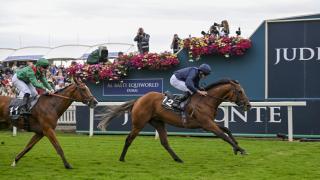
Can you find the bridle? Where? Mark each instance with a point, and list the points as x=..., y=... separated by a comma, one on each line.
x=235, y=92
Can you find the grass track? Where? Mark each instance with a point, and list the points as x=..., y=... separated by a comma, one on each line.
x=204, y=158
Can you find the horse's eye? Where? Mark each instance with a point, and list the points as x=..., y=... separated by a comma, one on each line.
x=240, y=92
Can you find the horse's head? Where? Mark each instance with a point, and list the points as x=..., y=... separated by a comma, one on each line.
x=83, y=94
x=238, y=96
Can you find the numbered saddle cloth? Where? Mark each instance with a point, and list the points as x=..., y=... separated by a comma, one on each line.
x=169, y=101
x=16, y=103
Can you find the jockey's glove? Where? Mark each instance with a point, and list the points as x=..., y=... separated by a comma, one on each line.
x=49, y=91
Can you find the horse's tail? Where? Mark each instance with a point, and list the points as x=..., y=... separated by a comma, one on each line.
x=115, y=112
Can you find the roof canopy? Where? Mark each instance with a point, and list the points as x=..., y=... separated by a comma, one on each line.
x=67, y=52
x=4, y=53
x=64, y=52
x=27, y=54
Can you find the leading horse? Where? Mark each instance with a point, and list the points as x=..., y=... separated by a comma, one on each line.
x=201, y=111
x=45, y=114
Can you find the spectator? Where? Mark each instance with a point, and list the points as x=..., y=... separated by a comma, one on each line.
x=14, y=67
x=213, y=31
x=59, y=80
x=120, y=54
x=142, y=39
x=53, y=69
x=224, y=31
x=98, y=56
x=220, y=30
x=29, y=63
x=175, y=43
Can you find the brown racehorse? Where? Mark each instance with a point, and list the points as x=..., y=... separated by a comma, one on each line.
x=200, y=114
x=45, y=114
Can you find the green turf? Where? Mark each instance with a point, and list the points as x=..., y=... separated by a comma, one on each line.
x=204, y=158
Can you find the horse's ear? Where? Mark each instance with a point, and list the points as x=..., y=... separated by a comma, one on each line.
x=75, y=79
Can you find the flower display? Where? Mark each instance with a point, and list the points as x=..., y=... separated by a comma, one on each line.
x=208, y=45
x=212, y=45
x=119, y=67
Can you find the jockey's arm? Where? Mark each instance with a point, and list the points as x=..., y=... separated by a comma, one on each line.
x=45, y=83
x=189, y=82
x=33, y=80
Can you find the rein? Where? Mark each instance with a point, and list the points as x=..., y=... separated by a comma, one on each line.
x=224, y=99
x=85, y=101
x=64, y=97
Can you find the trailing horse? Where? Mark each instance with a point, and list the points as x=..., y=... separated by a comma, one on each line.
x=45, y=114
x=200, y=114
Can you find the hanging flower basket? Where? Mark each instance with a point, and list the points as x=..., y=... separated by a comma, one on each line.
x=211, y=45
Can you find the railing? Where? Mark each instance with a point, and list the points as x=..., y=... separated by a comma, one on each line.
x=225, y=107
x=69, y=117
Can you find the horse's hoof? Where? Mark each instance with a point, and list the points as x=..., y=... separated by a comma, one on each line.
x=13, y=164
x=122, y=160
x=179, y=160
x=235, y=152
x=68, y=166
x=243, y=153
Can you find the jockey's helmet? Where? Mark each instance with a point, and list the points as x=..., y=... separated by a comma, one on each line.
x=205, y=68
x=42, y=62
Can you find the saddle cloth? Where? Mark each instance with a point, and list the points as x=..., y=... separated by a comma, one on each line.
x=169, y=100
x=14, y=107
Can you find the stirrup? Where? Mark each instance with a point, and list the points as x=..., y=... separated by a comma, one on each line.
x=183, y=118
x=24, y=111
x=177, y=106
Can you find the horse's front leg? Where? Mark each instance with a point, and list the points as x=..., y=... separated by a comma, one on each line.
x=227, y=131
x=51, y=135
x=213, y=127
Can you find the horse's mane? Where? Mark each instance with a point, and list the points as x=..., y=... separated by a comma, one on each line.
x=62, y=89
x=220, y=82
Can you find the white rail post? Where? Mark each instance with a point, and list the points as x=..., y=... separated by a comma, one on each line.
x=156, y=136
x=14, y=131
x=91, y=122
x=290, y=124
x=226, y=116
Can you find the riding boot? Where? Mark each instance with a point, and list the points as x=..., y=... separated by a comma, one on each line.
x=183, y=107
x=24, y=110
x=185, y=96
x=181, y=99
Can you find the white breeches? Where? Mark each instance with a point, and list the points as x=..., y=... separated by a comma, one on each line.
x=181, y=85
x=24, y=88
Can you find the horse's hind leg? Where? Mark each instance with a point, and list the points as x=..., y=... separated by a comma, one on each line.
x=52, y=137
x=160, y=127
x=226, y=130
x=35, y=138
x=133, y=134
x=210, y=126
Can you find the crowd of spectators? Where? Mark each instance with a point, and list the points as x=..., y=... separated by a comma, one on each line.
x=56, y=76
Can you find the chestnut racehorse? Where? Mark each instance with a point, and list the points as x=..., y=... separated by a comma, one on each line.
x=200, y=114
x=45, y=114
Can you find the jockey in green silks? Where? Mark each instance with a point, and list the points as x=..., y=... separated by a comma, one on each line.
x=27, y=79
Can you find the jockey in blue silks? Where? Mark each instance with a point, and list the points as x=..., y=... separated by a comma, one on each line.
x=187, y=80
